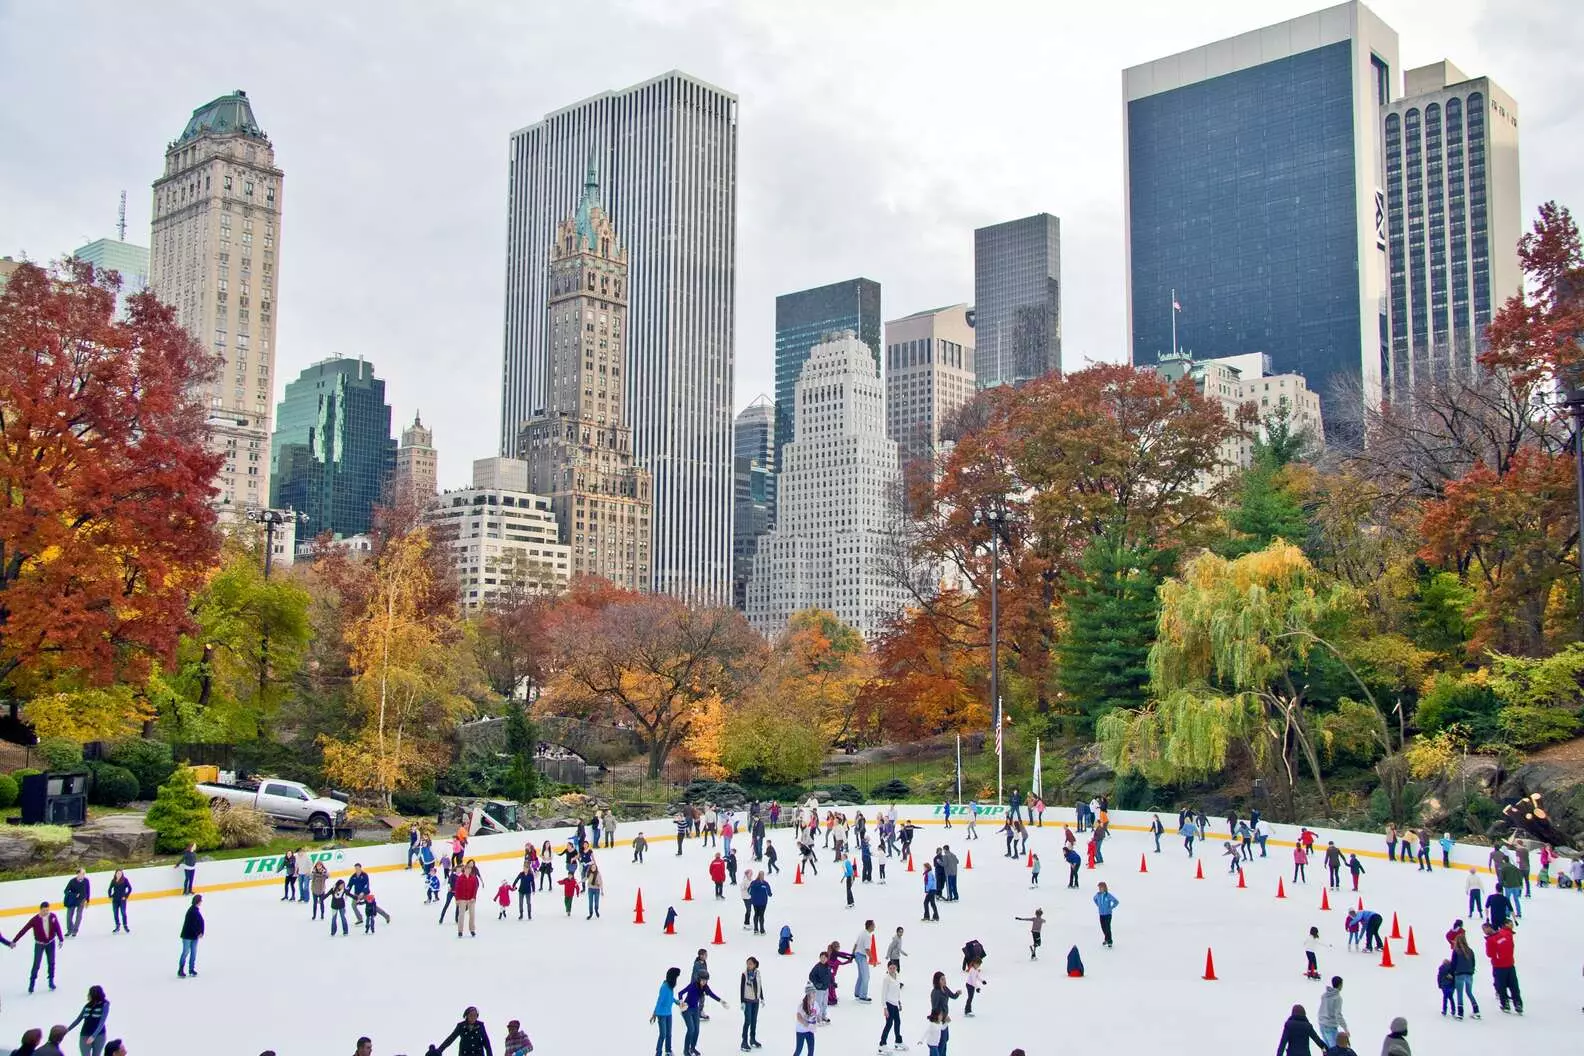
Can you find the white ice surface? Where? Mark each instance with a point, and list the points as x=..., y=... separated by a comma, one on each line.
x=271, y=979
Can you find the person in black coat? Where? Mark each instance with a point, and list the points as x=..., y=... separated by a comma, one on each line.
x=1297, y=1033
x=471, y=1036
x=191, y=931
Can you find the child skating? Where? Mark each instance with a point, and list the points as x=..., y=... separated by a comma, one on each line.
x=1036, y=925
x=1034, y=870
x=1312, y=946
x=503, y=895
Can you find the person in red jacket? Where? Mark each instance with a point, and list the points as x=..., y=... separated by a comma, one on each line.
x=46, y=930
x=1499, y=948
x=717, y=872
x=467, y=889
x=569, y=891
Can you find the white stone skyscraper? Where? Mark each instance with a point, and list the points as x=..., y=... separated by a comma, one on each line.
x=215, y=256
x=666, y=151
x=838, y=510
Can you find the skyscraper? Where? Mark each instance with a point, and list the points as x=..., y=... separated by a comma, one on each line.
x=128, y=260
x=580, y=452
x=333, y=452
x=1017, y=300
x=1453, y=219
x=835, y=542
x=1254, y=191
x=753, y=488
x=214, y=255
x=417, y=463
x=809, y=317
x=929, y=375
x=667, y=154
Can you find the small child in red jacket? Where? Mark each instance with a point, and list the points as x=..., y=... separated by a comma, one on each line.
x=569, y=891
x=503, y=895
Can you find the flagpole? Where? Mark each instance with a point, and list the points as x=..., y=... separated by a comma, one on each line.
x=959, y=768
x=1174, y=322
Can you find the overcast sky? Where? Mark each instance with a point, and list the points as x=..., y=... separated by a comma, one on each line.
x=875, y=136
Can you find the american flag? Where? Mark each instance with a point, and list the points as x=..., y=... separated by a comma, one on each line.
x=1175, y=306
x=998, y=740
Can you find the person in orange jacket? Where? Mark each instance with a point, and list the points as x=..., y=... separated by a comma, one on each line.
x=717, y=873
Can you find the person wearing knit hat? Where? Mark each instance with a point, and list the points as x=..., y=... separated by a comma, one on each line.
x=1396, y=1043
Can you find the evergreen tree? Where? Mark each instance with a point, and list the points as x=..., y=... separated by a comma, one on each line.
x=1111, y=610
x=180, y=815
x=1267, y=508
x=522, y=741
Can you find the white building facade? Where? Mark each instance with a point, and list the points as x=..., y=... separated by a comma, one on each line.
x=667, y=154
x=838, y=513
x=929, y=375
x=503, y=539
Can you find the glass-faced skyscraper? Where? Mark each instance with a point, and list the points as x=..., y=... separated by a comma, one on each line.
x=1255, y=197
x=666, y=152
x=807, y=318
x=1453, y=220
x=332, y=448
x=1017, y=300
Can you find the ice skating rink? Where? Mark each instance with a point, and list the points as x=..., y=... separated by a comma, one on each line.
x=269, y=978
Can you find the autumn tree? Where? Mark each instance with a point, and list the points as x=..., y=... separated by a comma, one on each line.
x=412, y=678
x=511, y=641
x=105, y=482
x=828, y=663
x=931, y=672
x=650, y=661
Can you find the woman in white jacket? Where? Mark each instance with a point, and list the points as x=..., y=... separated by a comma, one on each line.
x=743, y=884
x=891, y=994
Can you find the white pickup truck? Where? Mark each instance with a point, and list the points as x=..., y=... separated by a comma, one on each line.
x=289, y=801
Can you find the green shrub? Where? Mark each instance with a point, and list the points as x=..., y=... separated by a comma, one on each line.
x=410, y=803
x=242, y=826
x=180, y=815
x=478, y=775
x=150, y=762
x=1467, y=701
x=893, y=790
x=1530, y=726
x=9, y=790
x=49, y=835
x=60, y=753
x=1132, y=792
x=26, y=771
x=112, y=786
x=1351, y=735
x=842, y=793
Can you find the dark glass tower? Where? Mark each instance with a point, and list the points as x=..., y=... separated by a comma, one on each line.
x=1017, y=300
x=805, y=318
x=332, y=451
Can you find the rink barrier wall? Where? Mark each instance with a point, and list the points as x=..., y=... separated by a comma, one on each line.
x=22, y=897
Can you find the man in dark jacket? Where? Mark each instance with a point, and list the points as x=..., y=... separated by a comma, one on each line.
x=77, y=894
x=1333, y=864
x=191, y=931
x=1297, y=1033
x=758, y=898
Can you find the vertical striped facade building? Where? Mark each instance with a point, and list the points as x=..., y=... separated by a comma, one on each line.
x=667, y=153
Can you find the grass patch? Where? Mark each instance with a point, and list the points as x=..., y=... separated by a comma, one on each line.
x=279, y=845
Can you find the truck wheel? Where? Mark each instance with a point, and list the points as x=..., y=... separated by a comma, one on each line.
x=320, y=825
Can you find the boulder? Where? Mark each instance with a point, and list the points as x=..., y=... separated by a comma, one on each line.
x=116, y=838
x=16, y=850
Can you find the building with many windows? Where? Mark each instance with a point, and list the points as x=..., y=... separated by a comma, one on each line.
x=835, y=543
x=127, y=260
x=807, y=318
x=504, y=540
x=929, y=375
x=667, y=152
x=1017, y=300
x=1255, y=200
x=580, y=451
x=753, y=488
x=1236, y=382
x=417, y=464
x=214, y=255
x=1453, y=219
x=332, y=448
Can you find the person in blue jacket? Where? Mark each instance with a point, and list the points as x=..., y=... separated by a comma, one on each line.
x=1106, y=903
x=759, y=897
x=665, y=1004
x=692, y=1001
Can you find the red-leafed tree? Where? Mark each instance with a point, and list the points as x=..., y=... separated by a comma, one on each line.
x=105, y=471
x=1538, y=334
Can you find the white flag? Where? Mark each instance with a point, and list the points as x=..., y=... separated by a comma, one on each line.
x=1035, y=789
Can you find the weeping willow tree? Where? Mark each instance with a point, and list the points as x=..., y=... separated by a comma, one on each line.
x=1229, y=638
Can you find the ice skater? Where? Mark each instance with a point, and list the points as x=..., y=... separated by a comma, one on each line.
x=1300, y=861
x=665, y=1004
x=189, y=867
x=973, y=982
x=1036, y=925
x=1074, y=863
x=860, y=957
x=338, y=908
x=1106, y=903
x=1312, y=944
x=1331, y=1020
x=120, y=890
x=192, y=930
x=1355, y=869
x=93, y=1016
x=891, y=994
x=75, y=899
x=471, y=1036
x=46, y=931
x=1034, y=870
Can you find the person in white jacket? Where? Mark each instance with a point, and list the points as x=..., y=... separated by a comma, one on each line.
x=743, y=883
x=891, y=994
x=1476, y=897
x=860, y=956
x=1331, y=1019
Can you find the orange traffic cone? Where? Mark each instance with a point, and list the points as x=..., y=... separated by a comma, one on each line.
x=1242, y=883
x=1030, y=863
x=687, y=891
x=1199, y=871
x=719, y=939
x=798, y=877
x=1325, y=900
x=1386, y=961
x=1361, y=902
x=910, y=863
x=1396, y=931
x=1412, y=950
x=638, y=909
x=1209, y=964
x=1281, y=888
x=968, y=864
x=1143, y=864
x=874, y=952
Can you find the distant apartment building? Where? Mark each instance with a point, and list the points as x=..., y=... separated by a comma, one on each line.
x=417, y=464
x=504, y=541
x=929, y=375
x=809, y=317
x=1017, y=300
x=1453, y=217
x=332, y=448
x=214, y=255
x=835, y=542
x=1245, y=380
x=753, y=488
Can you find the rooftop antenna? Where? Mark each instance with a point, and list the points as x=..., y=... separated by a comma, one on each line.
x=121, y=220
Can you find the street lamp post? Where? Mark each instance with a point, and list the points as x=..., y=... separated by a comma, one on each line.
x=996, y=519
x=1575, y=406
x=271, y=519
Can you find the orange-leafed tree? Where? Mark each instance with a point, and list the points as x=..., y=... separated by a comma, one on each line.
x=828, y=663
x=649, y=661
x=105, y=481
x=930, y=673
